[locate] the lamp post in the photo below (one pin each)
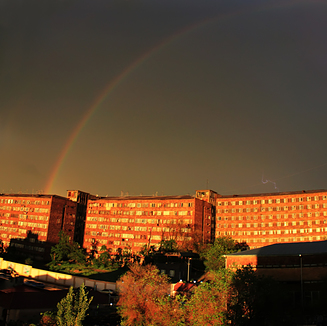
(301, 271)
(188, 269)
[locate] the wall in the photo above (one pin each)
(56, 278)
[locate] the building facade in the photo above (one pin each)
(136, 222)
(264, 219)
(81, 199)
(42, 215)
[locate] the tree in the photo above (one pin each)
(72, 309)
(66, 252)
(255, 300)
(168, 245)
(104, 259)
(208, 304)
(213, 253)
(141, 290)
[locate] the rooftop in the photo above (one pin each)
(287, 249)
(146, 198)
(288, 193)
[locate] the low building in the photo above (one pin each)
(301, 266)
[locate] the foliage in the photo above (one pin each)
(141, 289)
(104, 259)
(254, 299)
(171, 311)
(66, 252)
(213, 253)
(72, 309)
(208, 304)
(48, 319)
(238, 299)
(168, 245)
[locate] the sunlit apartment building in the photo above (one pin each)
(265, 219)
(43, 215)
(135, 222)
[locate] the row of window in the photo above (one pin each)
(33, 225)
(33, 217)
(32, 248)
(277, 216)
(137, 228)
(123, 243)
(131, 205)
(275, 240)
(270, 224)
(145, 213)
(23, 202)
(271, 201)
(270, 232)
(24, 209)
(270, 209)
(139, 221)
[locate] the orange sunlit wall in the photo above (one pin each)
(44, 215)
(265, 219)
(135, 222)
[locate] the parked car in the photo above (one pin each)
(35, 284)
(108, 291)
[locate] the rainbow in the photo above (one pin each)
(118, 80)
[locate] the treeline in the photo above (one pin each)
(226, 298)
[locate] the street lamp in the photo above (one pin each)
(188, 269)
(302, 301)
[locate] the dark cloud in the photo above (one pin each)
(239, 93)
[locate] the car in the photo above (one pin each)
(108, 291)
(6, 271)
(5, 274)
(35, 284)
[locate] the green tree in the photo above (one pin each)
(168, 245)
(141, 290)
(66, 252)
(213, 253)
(208, 303)
(72, 309)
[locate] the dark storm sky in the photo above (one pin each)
(229, 95)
